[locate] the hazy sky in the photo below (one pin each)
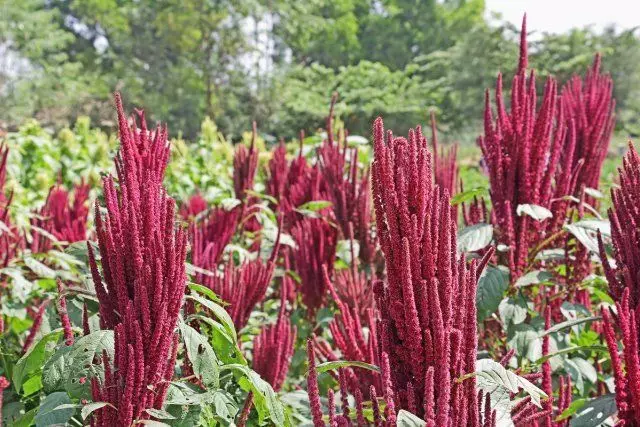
(560, 15)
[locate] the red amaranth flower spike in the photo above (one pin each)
(69, 217)
(444, 161)
(521, 148)
(143, 277)
(210, 236)
(274, 347)
(4, 383)
(35, 327)
(244, 286)
(316, 246)
(245, 164)
(193, 207)
(420, 329)
(590, 105)
(625, 232)
(61, 306)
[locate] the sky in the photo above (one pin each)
(557, 16)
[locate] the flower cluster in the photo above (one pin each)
(273, 349)
(625, 232)
(429, 341)
(193, 207)
(69, 217)
(315, 247)
(143, 276)
(243, 287)
(590, 106)
(210, 236)
(245, 163)
(522, 149)
(445, 168)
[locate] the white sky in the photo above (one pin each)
(557, 16)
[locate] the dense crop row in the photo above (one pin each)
(310, 285)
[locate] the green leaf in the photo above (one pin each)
(229, 203)
(568, 324)
(34, 358)
(265, 399)
(585, 232)
(407, 419)
(53, 410)
(534, 278)
(152, 423)
(218, 312)
(598, 348)
(159, 414)
(192, 270)
(495, 373)
(89, 408)
(315, 205)
(492, 285)
(80, 360)
(468, 195)
(595, 411)
(337, 364)
(343, 250)
(596, 194)
(512, 311)
(39, 268)
(539, 213)
(206, 292)
(475, 237)
(202, 357)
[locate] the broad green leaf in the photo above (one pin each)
(512, 311)
(315, 205)
(39, 268)
(343, 250)
(159, 414)
(492, 284)
(595, 411)
(468, 195)
(35, 357)
(495, 373)
(596, 194)
(89, 408)
(202, 357)
(337, 364)
(533, 278)
(218, 312)
(568, 350)
(407, 419)
(265, 399)
(539, 213)
(475, 237)
(201, 289)
(53, 410)
(568, 324)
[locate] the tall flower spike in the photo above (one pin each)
(522, 148)
(350, 338)
(143, 276)
(590, 105)
(625, 232)
(64, 315)
(316, 246)
(69, 217)
(193, 207)
(444, 161)
(210, 235)
(35, 327)
(273, 348)
(245, 163)
(244, 286)
(420, 328)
